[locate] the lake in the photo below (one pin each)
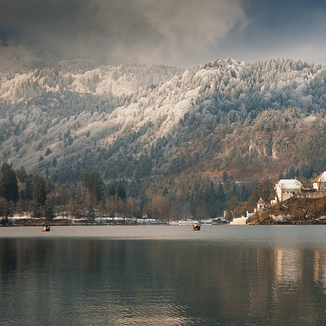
(163, 275)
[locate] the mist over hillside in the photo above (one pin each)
(15, 57)
(138, 123)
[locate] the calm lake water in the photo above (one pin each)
(163, 275)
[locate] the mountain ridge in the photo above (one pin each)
(132, 121)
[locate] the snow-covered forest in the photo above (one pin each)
(146, 124)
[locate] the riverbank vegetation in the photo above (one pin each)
(193, 196)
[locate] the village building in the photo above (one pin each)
(320, 182)
(219, 220)
(261, 205)
(287, 188)
(239, 220)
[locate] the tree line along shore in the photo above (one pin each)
(37, 199)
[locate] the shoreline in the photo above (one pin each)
(76, 222)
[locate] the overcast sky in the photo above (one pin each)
(171, 32)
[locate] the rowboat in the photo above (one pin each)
(196, 226)
(45, 228)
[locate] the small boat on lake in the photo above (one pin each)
(45, 228)
(195, 226)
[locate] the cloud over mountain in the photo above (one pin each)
(145, 31)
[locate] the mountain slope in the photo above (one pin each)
(136, 121)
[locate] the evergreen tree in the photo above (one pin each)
(8, 183)
(220, 200)
(48, 185)
(291, 174)
(93, 183)
(144, 167)
(111, 188)
(121, 192)
(22, 175)
(27, 192)
(49, 211)
(4, 209)
(220, 193)
(39, 190)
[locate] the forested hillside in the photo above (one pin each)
(201, 136)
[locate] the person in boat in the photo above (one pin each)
(45, 227)
(196, 226)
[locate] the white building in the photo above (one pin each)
(320, 182)
(239, 221)
(287, 188)
(261, 205)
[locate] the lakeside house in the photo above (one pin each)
(287, 188)
(320, 182)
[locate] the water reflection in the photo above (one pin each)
(124, 282)
(288, 265)
(95, 281)
(319, 269)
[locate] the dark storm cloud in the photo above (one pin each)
(150, 31)
(178, 32)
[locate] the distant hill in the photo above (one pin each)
(137, 122)
(15, 57)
